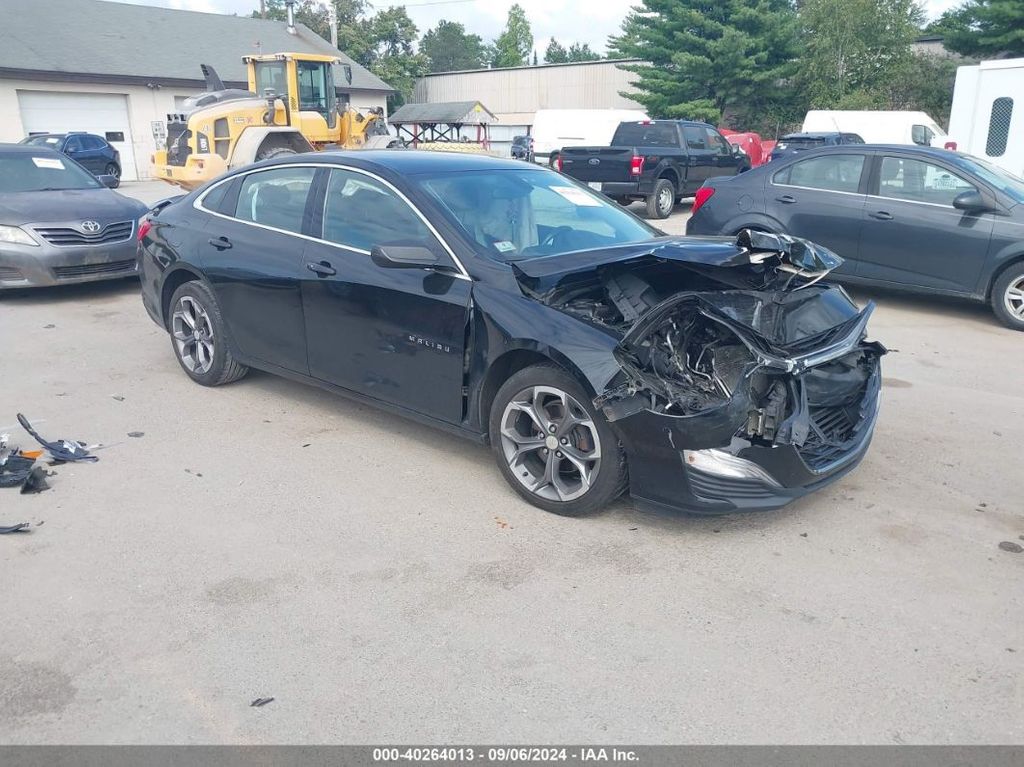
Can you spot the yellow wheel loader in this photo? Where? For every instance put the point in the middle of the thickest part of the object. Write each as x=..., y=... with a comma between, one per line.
x=290, y=107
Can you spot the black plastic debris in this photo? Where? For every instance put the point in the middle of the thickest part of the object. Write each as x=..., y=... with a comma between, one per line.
x=35, y=482
x=21, y=527
x=1013, y=548
x=64, y=450
x=15, y=470
x=260, y=702
x=136, y=434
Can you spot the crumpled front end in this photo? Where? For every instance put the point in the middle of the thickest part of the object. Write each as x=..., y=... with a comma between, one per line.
x=744, y=385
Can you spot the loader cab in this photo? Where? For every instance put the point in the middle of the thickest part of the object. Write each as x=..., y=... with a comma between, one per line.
x=306, y=81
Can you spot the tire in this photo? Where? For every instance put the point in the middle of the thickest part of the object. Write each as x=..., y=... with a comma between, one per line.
x=545, y=394
x=1008, y=297
x=661, y=200
x=113, y=170
x=204, y=366
x=274, y=151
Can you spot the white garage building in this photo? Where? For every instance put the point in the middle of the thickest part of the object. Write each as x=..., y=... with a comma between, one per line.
x=117, y=70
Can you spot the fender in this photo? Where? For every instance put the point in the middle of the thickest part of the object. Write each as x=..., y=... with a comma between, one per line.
x=995, y=264
x=752, y=221
x=249, y=143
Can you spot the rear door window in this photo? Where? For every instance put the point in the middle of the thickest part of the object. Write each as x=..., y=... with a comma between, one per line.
x=833, y=172
x=275, y=198
x=901, y=178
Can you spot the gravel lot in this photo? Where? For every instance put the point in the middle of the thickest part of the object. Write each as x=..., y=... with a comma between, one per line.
x=381, y=582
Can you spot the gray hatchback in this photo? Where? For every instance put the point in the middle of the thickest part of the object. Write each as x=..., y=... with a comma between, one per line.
x=59, y=224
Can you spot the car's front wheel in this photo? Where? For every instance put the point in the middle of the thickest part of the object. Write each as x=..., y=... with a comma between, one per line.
x=199, y=337
x=551, y=444
x=1008, y=297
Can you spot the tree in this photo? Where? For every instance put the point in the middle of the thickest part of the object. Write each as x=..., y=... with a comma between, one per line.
x=449, y=48
x=582, y=52
x=701, y=57
x=391, y=34
x=853, y=49
x=513, y=46
x=984, y=28
x=555, y=53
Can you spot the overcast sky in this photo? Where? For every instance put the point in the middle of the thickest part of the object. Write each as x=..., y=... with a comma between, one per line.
x=589, y=21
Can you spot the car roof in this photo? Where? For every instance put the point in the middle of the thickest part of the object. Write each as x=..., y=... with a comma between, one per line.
x=410, y=161
x=25, y=149
x=931, y=151
x=813, y=134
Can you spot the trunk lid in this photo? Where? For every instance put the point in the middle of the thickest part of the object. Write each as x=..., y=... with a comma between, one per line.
x=598, y=163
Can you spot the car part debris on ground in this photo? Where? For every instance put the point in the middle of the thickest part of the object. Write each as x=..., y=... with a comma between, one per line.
x=21, y=527
x=18, y=467
x=64, y=450
x=260, y=702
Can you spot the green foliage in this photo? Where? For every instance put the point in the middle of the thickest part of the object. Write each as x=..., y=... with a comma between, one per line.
x=703, y=58
x=513, y=46
x=984, y=28
x=582, y=52
x=556, y=53
x=449, y=48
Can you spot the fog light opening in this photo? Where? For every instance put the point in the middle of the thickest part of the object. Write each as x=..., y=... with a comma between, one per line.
x=723, y=464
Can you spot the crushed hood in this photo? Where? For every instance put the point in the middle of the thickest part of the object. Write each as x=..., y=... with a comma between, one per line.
x=751, y=260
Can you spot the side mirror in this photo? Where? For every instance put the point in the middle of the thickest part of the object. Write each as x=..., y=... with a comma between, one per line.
x=404, y=257
x=110, y=182
x=970, y=201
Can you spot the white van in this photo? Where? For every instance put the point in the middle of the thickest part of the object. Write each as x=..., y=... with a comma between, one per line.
x=987, y=119
x=555, y=128
x=878, y=127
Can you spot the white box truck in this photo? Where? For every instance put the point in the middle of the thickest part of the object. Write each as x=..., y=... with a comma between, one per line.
x=878, y=126
x=987, y=119
x=554, y=128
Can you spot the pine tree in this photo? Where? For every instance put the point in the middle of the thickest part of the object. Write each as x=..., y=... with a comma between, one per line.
x=702, y=58
x=513, y=46
x=985, y=28
x=555, y=53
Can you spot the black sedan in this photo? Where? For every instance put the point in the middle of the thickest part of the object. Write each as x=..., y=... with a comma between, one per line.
x=510, y=305
x=914, y=218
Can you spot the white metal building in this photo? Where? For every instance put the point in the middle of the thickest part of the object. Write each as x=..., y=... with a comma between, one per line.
x=117, y=70
x=514, y=94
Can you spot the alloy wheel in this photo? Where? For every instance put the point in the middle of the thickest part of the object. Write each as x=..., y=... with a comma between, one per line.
x=112, y=170
x=550, y=443
x=1013, y=298
x=193, y=335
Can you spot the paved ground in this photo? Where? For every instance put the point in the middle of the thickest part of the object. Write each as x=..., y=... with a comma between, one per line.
x=380, y=581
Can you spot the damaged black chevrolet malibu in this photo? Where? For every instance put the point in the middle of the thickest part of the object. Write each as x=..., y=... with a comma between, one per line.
x=511, y=305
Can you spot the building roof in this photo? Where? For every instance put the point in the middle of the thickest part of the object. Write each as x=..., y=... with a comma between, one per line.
x=455, y=112
x=99, y=41
x=596, y=62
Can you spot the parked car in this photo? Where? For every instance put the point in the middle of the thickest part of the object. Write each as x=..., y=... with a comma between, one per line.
x=556, y=128
x=522, y=148
x=751, y=144
x=878, y=126
x=659, y=161
x=506, y=303
x=94, y=153
x=792, y=143
x=59, y=224
x=917, y=218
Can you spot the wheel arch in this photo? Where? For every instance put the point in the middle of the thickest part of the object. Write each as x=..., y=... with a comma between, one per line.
x=1007, y=262
x=255, y=140
x=172, y=282
x=756, y=221
x=668, y=172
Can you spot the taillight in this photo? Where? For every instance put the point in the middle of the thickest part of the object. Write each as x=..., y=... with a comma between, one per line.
x=951, y=145
x=704, y=194
x=558, y=163
x=636, y=165
x=144, y=228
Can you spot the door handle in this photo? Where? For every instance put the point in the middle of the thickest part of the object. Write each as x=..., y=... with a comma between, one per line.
x=220, y=243
x=881, y=215
x=321, y=268
x=786, y=199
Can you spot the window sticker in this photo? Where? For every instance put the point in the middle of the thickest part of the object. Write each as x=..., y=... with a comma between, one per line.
x=48, y=162
x=504, y=246
x=576, y=196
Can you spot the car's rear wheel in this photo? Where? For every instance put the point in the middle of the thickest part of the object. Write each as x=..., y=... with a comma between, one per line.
x=113, y=170
x=274, y=151
x=1008, y=297
x=199, y=337
x=551, y=444
x=661, y=200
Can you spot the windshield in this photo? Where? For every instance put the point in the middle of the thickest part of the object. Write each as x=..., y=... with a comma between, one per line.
x=521, y=214
x=1010, y=185
x=42, y=140
x=28, y=172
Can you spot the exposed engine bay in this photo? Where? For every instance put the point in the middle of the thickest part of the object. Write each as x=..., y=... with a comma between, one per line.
x=757, y=348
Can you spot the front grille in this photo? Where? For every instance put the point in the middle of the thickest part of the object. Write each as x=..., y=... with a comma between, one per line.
x=9, y=273
x=711, y=487
x=832, y=431
x=86, y=270
x=111, y=233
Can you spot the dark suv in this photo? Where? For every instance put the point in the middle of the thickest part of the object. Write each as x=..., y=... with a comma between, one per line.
x=792, y=143
x=92, y=152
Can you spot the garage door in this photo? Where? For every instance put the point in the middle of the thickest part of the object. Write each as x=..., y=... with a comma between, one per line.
x=105, y=114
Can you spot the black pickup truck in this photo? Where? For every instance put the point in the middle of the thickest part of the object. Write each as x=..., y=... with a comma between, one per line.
x=660, y=161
